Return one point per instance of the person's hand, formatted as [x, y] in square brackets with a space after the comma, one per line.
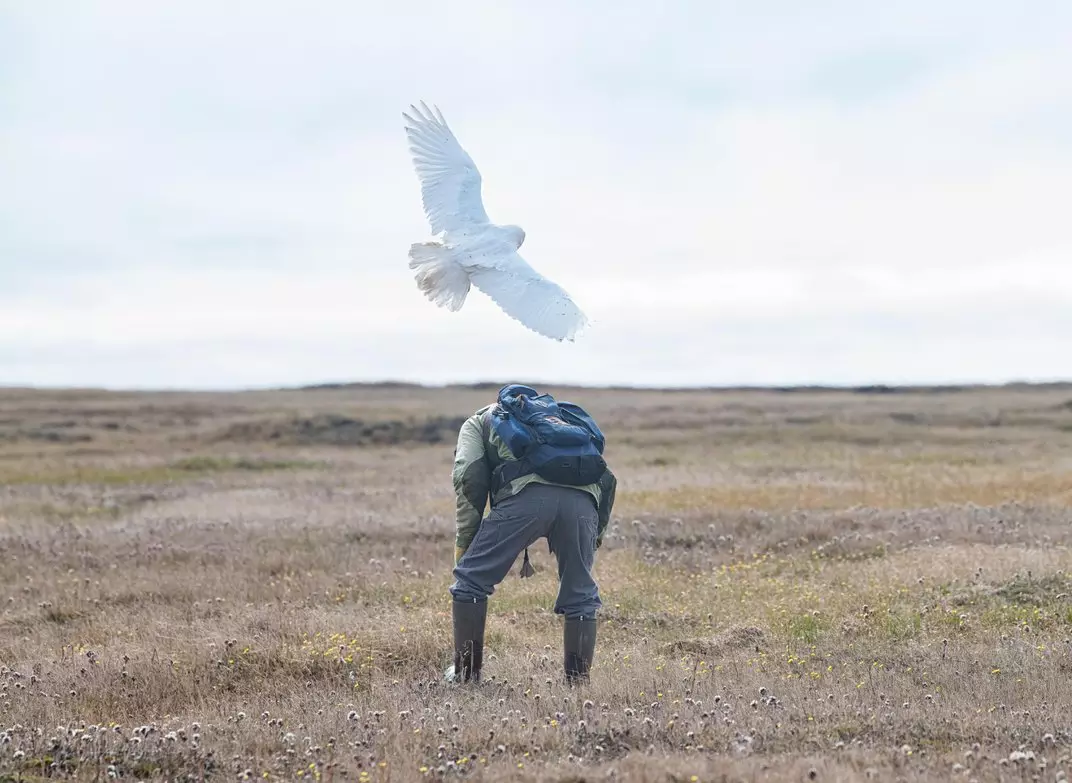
[458, 552]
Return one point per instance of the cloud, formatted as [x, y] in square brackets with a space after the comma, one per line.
[219, 197]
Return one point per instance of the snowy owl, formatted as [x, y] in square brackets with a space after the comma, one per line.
[472, 249]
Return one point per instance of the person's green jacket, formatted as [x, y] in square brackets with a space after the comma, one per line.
[478, 451]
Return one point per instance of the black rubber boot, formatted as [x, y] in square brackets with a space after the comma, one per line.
[578, 647]
[469, 620]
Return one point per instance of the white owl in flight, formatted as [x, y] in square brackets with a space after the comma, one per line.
[472, 249]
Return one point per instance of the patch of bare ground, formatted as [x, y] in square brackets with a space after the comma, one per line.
[811, 585]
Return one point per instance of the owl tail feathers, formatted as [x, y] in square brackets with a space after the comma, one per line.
[439, 277]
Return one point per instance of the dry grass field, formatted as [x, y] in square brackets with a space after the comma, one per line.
[798, 585]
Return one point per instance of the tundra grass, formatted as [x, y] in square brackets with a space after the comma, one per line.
[786, 606]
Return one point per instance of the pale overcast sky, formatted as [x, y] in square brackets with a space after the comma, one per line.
[219, 195]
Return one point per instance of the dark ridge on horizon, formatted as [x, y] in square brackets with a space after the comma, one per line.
[492, 386]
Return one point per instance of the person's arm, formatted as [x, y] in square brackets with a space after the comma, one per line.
[608, 485]
[472, 482]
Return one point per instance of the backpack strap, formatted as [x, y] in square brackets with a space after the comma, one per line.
[490, 454]
[508, 471]
[502, 473]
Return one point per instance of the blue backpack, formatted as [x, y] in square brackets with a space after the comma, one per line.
[559, 441]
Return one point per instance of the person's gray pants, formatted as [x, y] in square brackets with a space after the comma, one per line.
[566, 517]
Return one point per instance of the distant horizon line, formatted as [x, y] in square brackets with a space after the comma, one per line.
[489, 385]
[876, 388]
